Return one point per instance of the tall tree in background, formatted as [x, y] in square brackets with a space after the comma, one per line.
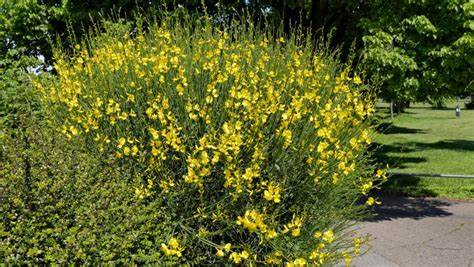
[24, 33]
[27, 26]
[336, 18]
[422, 50]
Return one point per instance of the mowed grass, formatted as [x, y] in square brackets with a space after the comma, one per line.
[427, 140]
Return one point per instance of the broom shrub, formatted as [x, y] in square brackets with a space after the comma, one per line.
[200, 144]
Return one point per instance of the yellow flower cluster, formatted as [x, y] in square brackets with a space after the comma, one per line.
[272, 193]
[294, 226]
[221, 251]
[142, 192]
[254, 221]
[173, 248]
[238, 257]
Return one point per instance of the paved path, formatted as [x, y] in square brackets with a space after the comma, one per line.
[420, 232]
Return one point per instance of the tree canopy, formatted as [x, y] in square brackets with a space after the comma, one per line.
[420, 50]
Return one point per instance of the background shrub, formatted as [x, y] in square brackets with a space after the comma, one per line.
[17, 97]
[193, 143]
[59, 204]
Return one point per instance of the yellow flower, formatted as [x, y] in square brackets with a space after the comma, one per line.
[366, 187]
[380, 173]
[204, 158]
[328, 236]
[155, 151]
[347, 259]
[164, 248]
[294, 225]
[342, 166]
[220, 253]
[272, 193]
[235, 257]
[130, 98]
[365, 137]
[173, 242]
[322, 147]
[371, 201]
[134, 150]
[244, 255]
[287, 136]
[271, 234]
[296, 232]
[252, 221]
[357, 80]
[335, 178]
[150, 183]
[73, 130]
[126, 151]
[172, 248]
[357, 242]
[274, 258]
[121, 142]
[299, 262]
[353, 142]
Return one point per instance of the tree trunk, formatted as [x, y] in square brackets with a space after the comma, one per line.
[391, 110]
[319, 11]
[292, 17]
[399, 106]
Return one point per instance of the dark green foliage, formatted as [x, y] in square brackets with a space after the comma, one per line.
[61, 205]
[25, 27]
[422, 50]
[17, 97]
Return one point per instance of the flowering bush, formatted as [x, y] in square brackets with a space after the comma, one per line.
[251, 147]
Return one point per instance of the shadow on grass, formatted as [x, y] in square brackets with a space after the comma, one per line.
[394, 154]
[389, 128]
[435, 108]
[405, 185]
[414, 208]
[447, 144]
[384, 155]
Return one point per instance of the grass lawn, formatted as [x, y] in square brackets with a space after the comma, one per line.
[427, 140]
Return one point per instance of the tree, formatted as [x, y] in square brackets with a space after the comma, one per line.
[422, 50]
[322, 17]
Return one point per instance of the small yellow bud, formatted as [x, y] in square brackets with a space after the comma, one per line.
[126, 151]
[296, 232]
[173, 243]
[328, 236]
[357, 80]
[220, 253]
